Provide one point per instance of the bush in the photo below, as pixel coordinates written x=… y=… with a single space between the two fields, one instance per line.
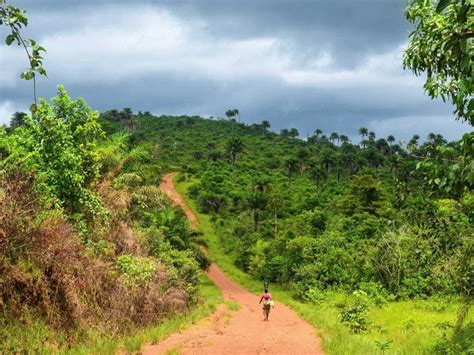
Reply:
x=461 y=342
x=356 y=315
x=58 y=145
x=137 y=271
x=210 y=202
x=314 y=295
x=375 y=291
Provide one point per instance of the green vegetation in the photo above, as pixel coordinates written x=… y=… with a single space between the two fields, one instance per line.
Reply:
x=15 y=20
x=442 y=45
x=370 y=241
x=91 y=250
x=406 y=327
x=348 y=235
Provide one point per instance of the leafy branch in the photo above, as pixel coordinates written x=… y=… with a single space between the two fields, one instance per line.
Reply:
x=16 y=19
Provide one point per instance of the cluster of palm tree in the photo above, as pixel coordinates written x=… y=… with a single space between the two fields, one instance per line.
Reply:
x=291 y=133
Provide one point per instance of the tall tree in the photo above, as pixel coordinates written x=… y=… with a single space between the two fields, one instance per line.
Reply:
x=235 y=147
x=231 y=117
x=257 y=202
x=333 y=137
x=294 y=133
x=391 y=139
x=285 y=133
x=344 y=139
x=291 y=165
x=265 y=124
x=363 y=132
x=18 y=119
x=302 y=156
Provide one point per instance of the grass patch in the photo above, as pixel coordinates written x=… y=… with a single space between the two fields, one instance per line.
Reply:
x=37 y=337
x=406 y=327
x=232 y=305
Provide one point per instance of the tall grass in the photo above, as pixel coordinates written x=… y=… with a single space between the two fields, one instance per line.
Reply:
x=408 y=327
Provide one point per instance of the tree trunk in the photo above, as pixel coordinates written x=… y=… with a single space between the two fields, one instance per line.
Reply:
x=255 y=220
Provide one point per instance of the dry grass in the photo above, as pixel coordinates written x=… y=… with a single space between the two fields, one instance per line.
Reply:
x=47 y=271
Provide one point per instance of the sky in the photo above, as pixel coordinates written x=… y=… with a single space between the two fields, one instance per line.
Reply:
x=329 y=64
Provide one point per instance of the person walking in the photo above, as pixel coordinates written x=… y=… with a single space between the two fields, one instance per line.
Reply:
x=267 y=302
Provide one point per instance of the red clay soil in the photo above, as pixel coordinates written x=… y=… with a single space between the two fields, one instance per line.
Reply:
x=238 y=332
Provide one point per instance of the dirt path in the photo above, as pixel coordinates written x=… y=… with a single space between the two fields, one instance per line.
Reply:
x=238 y=332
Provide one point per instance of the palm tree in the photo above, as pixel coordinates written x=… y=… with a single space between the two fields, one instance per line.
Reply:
x=127 y=113
x=440 y=139
x=230 y=116
x=234 y=147
x=344 y=139
x=334 y=136
x=317 y=173
x=291 y=164
x=257 y=202
x=302 y=156
x=391 y=139
x=265 y=124
x=237 y=113
x=371 y=136
x=18 y=119
x=276 y=202
x=231 y=113
x=127 y=116
x=318 y=132
x=327 y=158
x=312 y=140
x=363 y=132
x=285 y=133
x=413 y=143
x=294 y=133
x=432 y=137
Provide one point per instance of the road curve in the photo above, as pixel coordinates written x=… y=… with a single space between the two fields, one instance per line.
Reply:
x=237 y=332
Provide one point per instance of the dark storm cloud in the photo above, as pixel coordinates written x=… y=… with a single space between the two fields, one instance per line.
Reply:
x=349 y=29
x=334 y=65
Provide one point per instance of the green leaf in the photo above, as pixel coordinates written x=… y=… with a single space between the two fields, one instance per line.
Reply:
x=462 y=17
x=442 y=4
x=9 y=40
x=33 y=108
x=465 y=85
x=470 y=107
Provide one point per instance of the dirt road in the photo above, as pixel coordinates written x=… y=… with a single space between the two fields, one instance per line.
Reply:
x=238 y=332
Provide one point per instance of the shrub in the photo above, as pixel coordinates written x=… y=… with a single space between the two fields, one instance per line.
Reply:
x=210 y=202
x=58 y=145
x=355 y=316
x=137 y=271
x=461 y=342
x=375 y=291
x=128 y=180
x=314 y=295
x=185 y=271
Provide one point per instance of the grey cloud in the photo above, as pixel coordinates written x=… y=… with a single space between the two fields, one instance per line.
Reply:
x=351 y=30
x=362 y=85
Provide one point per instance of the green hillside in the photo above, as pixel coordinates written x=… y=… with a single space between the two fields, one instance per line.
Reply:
x=368 y=223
